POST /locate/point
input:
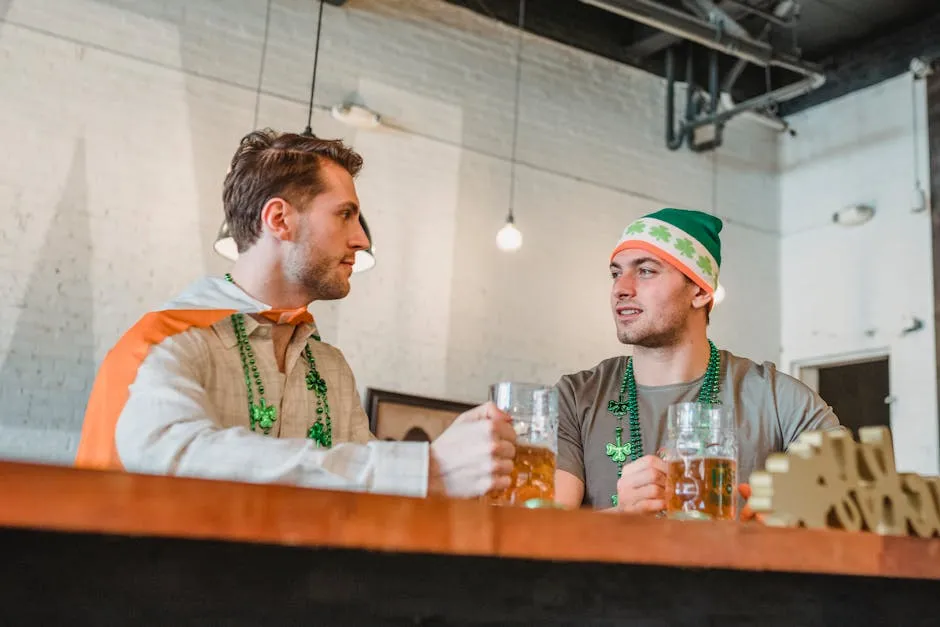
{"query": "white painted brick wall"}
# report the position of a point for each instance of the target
(847, 290)
(123, 114)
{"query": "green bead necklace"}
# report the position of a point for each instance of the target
(618, 450)
(261, 415)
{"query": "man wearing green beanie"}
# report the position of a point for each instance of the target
(612, 418)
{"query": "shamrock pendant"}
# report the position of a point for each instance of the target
(315, 382)
(618, 452)
(618, 408)
(319, 435)
(263, 415)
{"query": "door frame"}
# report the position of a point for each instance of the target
(807, 370)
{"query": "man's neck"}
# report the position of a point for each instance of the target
(261, 277)
(681, 362)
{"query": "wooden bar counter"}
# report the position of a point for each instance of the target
(99, 548)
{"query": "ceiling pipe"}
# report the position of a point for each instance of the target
(787, 92)
(686, 26)
(740, 64)
(689, 27)
(674, 140)
(699, 31)
(777, 17)
(716, 16)
(712, 108)
(786, 10)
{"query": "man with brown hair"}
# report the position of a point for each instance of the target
(612, 418)
(230, 380)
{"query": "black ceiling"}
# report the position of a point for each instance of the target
(856, 42)
(828, 27)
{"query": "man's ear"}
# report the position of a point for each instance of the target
(702, 297)
(279, 218)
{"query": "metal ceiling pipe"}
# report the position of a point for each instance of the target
(675, 140)
(787, 9)
(689, 27)
(681, 24)
(740, 64)
(777, 17)
(787, 92)
(711, 107)
(716, 16)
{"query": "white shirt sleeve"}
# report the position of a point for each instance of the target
(167, 427)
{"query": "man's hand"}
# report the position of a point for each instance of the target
(474, 455)
(642, 485)
(747, 514)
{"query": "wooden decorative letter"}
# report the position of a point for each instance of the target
(826, 479)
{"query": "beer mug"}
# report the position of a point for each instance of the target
(534, 412)
(701, 456)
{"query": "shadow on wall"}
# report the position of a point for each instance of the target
(210, 87)
(48, 369)
(50, 366)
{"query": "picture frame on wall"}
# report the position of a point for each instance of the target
(406, 417)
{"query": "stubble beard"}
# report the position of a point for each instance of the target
(664, 334)
(320, 276)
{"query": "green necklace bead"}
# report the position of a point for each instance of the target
(261, 415)
(321, 431)
(618, 450)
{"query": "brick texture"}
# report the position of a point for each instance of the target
(119, 118)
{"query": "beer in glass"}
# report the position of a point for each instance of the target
(701, 456)
(534, 412)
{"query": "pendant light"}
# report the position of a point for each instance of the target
(509, 238)
(225, 244)
(365, 259)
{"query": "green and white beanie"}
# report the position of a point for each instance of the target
(687, 240)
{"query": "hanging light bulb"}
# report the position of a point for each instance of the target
(509, 238)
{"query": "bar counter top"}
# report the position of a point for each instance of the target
(108, 517)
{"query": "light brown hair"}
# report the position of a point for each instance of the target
(270, 165)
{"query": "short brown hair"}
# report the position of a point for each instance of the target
(270, 165)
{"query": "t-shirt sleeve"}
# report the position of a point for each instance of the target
(570, 449)
(800, 409)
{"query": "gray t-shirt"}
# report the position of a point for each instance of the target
(771, 409)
